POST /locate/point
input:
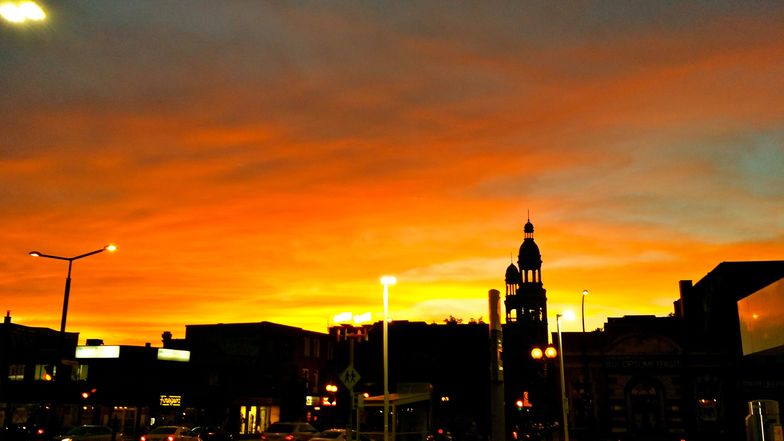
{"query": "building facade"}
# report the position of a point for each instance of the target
(685, 375)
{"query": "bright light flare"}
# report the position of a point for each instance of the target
(388, 280)
(363, 318)
(18, 13)
(550, 352)
(568, 315)
(536, 354)
(343, 317)
(111, 248)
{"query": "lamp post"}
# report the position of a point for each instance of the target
(564, 401)
(386, 281)
(68, 278)
(54, 423)
(586, 389)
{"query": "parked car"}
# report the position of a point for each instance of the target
(170, 433)
(440, 435)
(211, 433)
(338, 435)
(288, 432)
(22, 432)
(87, 433)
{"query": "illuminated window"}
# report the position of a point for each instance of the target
(16, 372)
(44, 372)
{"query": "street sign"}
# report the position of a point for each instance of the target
(350, 377)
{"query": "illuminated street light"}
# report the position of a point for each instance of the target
(21, 12)
(582, 307)
(538, 354)
(386, 281)
(568, 315)
(70, 260)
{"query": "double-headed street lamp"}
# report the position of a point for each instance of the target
(568, 315)
(21, 12)
(68, 278)
(386, 281)
(70, 260)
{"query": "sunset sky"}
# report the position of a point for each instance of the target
(269, 161)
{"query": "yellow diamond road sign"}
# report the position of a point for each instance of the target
(349, 377)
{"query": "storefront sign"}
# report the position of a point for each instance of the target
(642, 364)
(171, 400)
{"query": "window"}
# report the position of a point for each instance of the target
(307, 346)
(16, 372)
(316, 348)
(44, 372)
(79, 373)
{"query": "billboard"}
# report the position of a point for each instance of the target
(761, 315)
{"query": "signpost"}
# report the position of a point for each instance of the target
(350, 377)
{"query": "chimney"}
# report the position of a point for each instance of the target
(7, 319)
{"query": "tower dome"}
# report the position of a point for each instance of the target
(512, 275)
(529, 227)
(529, 258)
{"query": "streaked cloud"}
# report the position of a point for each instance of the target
(268, 161)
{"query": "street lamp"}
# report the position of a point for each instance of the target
(568, 315)
(582, 313)
(68, 279)
(21, 12)
(386, 281)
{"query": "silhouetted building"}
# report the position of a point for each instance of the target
(452, 358)
(248, 375)
(526, 381)
(32, 379)
(131, 388)
(685, 375)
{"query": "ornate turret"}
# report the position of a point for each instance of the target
(525, 329)
(530, 259)
(526, 300)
